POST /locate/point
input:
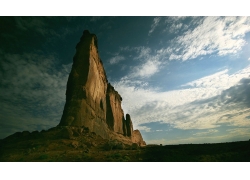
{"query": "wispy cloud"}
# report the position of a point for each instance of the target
(95, 18)
(172, 19)
(149, 68)
(205, 133)
(177, 24)
(200, 104)
(143, 52)
(147, 64)
(203, 105)
(204, 36)
(205, 139)
(145, 128)
(175, 27)
(116, 59)
(156, 21)
(220, 35)
(239, 131)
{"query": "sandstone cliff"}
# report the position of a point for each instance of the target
(90, 100)
(137, 138)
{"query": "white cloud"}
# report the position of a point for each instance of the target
(213, 85)
(174, 28)
(209, 35)
(116, 59)
(128, 48)
(145, 128)
(220, 35)
(176, 24)
(210, 131)
(239, 131)
(177, 107)
(205, 139)
(155, 24)
(149, 63)
(147, 69)
(175, 19)
(144, 52)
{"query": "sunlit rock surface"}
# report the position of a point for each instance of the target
(90, 100)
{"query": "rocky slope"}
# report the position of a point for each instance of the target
(65, 144)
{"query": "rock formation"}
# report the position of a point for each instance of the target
(137, 138)
(90, 100)
(129, 125)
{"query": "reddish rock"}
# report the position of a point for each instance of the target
(86, 89)
(137, 138)
(115, 113)
(90, 100)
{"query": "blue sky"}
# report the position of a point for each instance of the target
(182, 79)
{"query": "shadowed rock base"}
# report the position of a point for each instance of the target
(69, 144)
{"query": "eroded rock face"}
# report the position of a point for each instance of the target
(90, 100)
(86, 89)
(129, 125)
(115, 113)
(137, 138)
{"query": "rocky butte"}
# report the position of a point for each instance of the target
(91, 101)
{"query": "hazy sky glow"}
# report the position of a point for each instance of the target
(182, 79)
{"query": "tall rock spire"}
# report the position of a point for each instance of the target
(90, 100)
